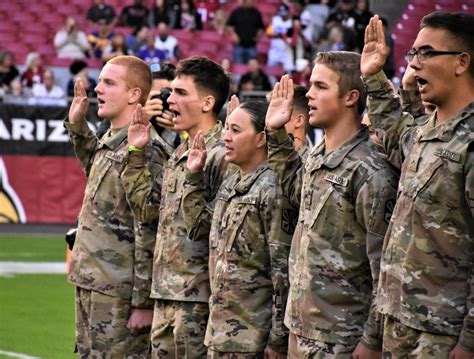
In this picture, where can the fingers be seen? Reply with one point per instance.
(380, 33)
(233, 104)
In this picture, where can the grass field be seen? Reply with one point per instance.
(36, 310)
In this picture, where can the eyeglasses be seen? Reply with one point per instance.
(424, 54)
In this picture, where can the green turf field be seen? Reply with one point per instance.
(36, 310)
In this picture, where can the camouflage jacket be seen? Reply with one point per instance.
(346, 199)
(248, 263)
(180, 268)
(427, 272)
(113, 249)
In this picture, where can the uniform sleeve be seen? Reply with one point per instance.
(84, 142)
(386, 114)
(279, 242)
(285, 161)
(411, 102)
(200, 192)
(374, 206)
(466, 339)
(142, 179)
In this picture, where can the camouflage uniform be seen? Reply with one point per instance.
(112, 254)
(346, 199)
(427, 269)
(180, 269)
(304, 151)
(248, 262)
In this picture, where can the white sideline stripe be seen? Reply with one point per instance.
(17, 355)
(32, 267)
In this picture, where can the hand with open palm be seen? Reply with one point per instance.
(281, 104)
(198, 154)
(375, 51)
(139, 129)
(80, 103)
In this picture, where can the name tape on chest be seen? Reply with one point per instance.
(450, 155)
(114, 156)
(341, 181)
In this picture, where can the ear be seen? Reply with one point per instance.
(463, 64)
(134, 96)
(209, 102)
(299, 121)
(261, 139)
(352, 97)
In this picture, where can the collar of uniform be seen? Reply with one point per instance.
(155, 136)
(334, 158)
(445, 131)
(243, 183)
(113, 141)
(303, 149)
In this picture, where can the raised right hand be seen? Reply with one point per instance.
(375, 51)
(198, 154)
(139, 129)
(281, 104)
(80, 103)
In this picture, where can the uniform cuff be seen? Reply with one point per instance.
(375, 82)
(136, 159)
(277, 137)
(76, 128)
(194, 178)
(466, 341)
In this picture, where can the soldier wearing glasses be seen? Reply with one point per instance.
(426, 286)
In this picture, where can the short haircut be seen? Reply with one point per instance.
(300, 101)
(257, 111)
(209, 78)
(138, 74)
(459, 25)
(166, 72)
(347, 65)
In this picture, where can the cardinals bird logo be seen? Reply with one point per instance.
(11, 209)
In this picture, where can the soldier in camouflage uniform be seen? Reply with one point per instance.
(180, 270)
(112, 255)
(346, 191)
(426, 288)
(249, 243)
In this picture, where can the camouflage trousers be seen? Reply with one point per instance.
(178, 329)
(400, 341)
(212, 354)
(300, 347)
(101, 328)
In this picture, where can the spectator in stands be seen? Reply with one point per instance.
(117, 47)
(101, 38)
(219, 21)
(71, 42)
(207, 10)
(48, 88)
(187, 18)
(99, 11)
(227, 65)
(79, 70)
(149, 53)
(302, 73)
(344, 15)
(15, 88)
(362, 18)
(314, 18)
(245, 25)
(134, 15)
(34, 70)
(167, 43)
(160, 12)
(8, 71)
(255, 79)
(280, 50)
(137, 39)
(333, 41)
